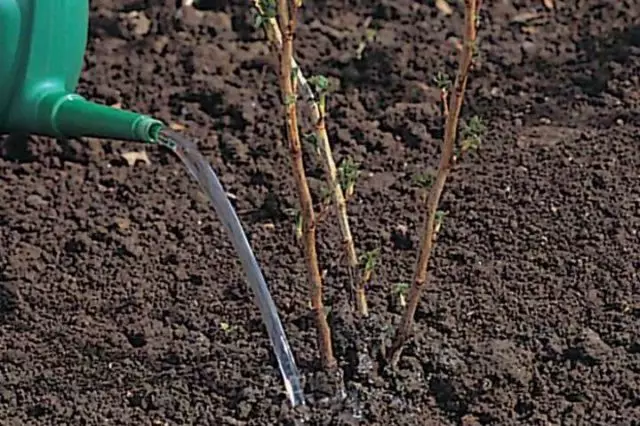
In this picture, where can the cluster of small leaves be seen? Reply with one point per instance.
(325, 195)
(327, 310)
(442, 81)
(471, 135)
(312, 139)
(319, 84)
(370, 34)
(424, 180)
(475, 51)
(401, 288)
(267, 9)
(370, 259)
(440, 215)
(226, 327)
(291, 99)
(294, 75)
(348, 174)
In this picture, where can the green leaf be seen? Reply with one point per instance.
(320, 83)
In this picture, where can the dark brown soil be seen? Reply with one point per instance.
(121, 301)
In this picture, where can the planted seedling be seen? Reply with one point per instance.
(451, 105)
(314, 93)
(279, 21)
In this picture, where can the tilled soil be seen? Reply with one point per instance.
(121, 301)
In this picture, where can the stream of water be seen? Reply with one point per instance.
(203, 173)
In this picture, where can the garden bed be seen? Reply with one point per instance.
(121, 300)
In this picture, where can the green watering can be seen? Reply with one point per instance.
(42, 45)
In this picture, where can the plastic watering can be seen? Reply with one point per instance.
(42, 46)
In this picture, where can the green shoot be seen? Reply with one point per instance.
(452, 106)
(320, 85)
(369, 259)
(400, 291)
(299, 222)
(424, 180)
(471, 136)
(442, 81)
(348, 174)
(325, 195)
(440, 215)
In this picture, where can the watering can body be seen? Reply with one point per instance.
(42, 46)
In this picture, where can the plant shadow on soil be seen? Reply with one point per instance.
(586, 74)
(9, 300)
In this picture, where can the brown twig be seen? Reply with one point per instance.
(403, 332)
(287, 13)
(317, 109)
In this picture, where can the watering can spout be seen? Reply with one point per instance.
(71, 115)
